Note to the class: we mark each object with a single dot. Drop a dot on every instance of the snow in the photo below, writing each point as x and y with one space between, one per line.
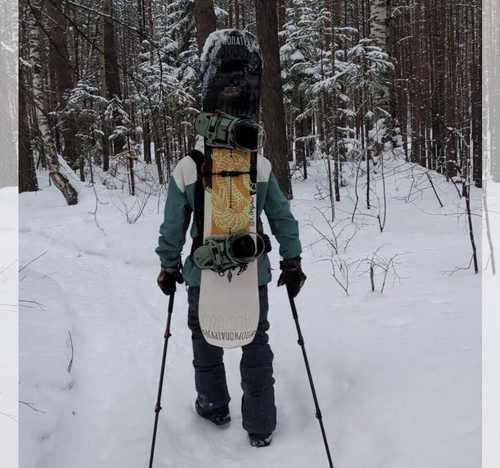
220 37
8 328
213 44
491 332
297 56
398 373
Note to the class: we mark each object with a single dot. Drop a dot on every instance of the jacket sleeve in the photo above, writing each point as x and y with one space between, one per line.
177 216
283 225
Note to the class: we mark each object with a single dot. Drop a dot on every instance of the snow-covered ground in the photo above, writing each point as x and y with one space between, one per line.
491 332
398 374
8 328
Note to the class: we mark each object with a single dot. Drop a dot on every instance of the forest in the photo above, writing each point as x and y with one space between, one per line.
105 86
372 113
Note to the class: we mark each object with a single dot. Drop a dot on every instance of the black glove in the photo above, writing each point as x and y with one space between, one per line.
168 277
292 275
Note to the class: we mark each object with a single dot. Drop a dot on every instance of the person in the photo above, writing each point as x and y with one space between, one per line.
256 367
231 80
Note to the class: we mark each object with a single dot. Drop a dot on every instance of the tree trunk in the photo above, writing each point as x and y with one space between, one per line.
243 15
477 111
27 174
378 26
282 4
229 17
237 14
334 104
493 67
272 93
147 140
62 69
148 7
60 181
204 16
111 68
58 51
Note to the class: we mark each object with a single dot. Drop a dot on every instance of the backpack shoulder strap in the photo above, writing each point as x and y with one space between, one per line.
197 157
199 198
203 167
253 169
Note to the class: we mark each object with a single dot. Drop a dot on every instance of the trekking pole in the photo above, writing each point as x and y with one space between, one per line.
162 374
309 375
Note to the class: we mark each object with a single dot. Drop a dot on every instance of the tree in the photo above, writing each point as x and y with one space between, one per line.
378 26
273 111
60 181
205 20
111 67
405 72
62 72
437 50
27 175
112 79
492 75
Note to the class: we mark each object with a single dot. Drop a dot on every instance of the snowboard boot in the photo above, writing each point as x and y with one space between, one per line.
260 440
217 416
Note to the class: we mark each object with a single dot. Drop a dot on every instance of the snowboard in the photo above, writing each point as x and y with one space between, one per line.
229 304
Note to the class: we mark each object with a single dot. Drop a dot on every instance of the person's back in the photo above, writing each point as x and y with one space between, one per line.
191 179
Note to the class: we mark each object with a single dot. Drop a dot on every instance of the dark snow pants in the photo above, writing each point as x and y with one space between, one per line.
256 367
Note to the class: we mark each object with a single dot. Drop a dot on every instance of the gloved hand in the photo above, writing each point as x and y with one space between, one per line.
168 277
292 275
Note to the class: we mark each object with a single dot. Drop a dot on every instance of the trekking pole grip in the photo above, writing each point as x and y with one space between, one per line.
301 343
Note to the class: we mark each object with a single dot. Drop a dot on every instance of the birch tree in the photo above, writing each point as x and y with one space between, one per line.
27 174
59 180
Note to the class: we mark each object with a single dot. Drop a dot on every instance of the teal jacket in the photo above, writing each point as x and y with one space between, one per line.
180 205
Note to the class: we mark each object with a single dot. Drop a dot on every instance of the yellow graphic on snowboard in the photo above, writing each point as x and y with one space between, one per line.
229 311
232 202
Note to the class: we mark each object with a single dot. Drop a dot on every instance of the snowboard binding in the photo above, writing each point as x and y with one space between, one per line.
225 254
222 130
